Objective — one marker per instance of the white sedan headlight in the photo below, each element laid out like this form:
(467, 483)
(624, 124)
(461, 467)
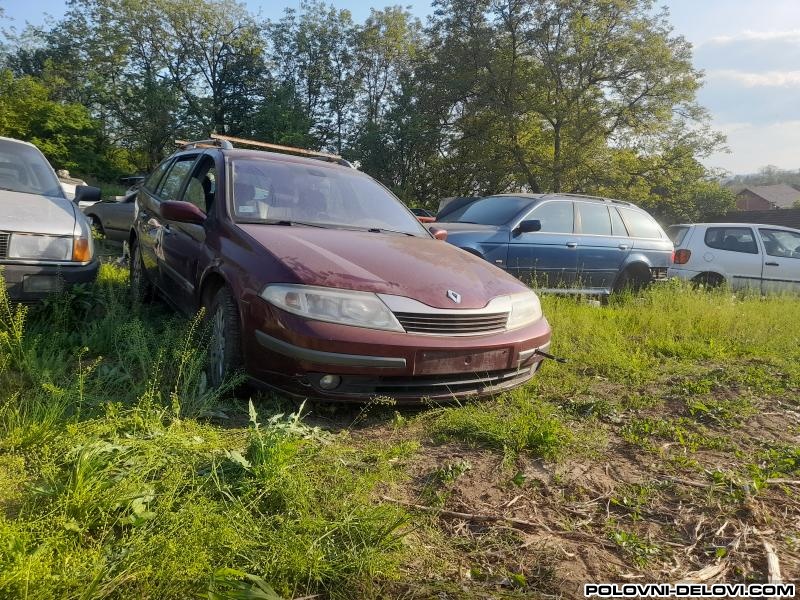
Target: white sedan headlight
(525, 309)
(40, 247)
(346, 307)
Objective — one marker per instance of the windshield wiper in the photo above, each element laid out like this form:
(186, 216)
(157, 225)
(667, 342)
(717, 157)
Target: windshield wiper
(379, 230)
(286, 222)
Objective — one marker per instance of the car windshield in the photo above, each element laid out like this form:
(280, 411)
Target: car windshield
(268, 191)
(24, 169)
(497, 210)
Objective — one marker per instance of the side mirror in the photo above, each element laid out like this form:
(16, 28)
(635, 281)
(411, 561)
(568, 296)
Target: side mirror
(182, 212)
(528, 226)
(438, 233)
(86, 193)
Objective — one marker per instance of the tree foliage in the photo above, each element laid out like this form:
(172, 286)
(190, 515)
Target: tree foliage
(490, 96)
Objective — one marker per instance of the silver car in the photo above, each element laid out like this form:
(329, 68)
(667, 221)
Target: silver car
(45, 241)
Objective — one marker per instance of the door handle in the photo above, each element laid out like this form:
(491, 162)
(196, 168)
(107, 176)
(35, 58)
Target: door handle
(772, 264)
(572, 244)
(623, 246)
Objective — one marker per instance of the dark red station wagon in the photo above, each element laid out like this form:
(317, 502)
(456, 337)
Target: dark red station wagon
(318, 282)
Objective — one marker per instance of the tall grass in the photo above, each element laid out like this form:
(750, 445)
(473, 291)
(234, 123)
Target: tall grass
(114, 485)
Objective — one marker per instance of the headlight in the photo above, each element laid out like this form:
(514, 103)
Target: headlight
(346, 307)
(40, 247)
(525, 309)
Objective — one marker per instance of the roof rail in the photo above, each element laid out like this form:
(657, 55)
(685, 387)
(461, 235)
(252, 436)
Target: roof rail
(209, 143)
(286, 149)
(589, 197)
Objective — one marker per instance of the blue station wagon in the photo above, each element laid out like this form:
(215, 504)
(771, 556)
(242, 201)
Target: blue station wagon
(564, 243)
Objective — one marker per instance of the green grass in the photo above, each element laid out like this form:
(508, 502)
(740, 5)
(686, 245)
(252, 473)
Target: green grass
(115, 485)
(123, 475)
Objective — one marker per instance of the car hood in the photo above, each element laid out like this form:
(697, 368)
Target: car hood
(469, 227)
(32, 213)
(420, 268)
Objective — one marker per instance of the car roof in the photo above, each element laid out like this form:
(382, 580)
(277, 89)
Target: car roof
(8, 139)
(735, 225)
(567, 196)
(266, 155)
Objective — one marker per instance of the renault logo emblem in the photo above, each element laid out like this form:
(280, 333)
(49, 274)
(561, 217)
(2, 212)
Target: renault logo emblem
(454, 296)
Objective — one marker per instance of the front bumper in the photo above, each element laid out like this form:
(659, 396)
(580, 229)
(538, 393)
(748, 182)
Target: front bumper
(292, 354)
(30, 283)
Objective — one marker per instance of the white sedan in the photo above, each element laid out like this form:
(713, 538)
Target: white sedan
(743, 255)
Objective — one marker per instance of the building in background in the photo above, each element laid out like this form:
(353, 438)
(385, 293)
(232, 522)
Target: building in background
(768, 197)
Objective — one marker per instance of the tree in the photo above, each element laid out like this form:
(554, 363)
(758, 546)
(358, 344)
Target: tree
(564, 85)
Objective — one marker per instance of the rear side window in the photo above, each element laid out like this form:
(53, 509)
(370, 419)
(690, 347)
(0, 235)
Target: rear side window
(732, 239)
(152, 182)
(617, 226)
(594, 218)
(641, 224)
(556, 217)
(677, 234)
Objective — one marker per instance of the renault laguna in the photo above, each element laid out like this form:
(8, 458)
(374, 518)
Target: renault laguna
(318, 282)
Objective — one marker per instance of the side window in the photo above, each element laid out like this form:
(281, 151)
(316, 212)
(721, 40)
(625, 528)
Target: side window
(151, 183)
(732, 239)
(594, 218)
(617, 226)
(778, 242)
(201, 189)
(556, 217)
(171, 184)
(640, 224)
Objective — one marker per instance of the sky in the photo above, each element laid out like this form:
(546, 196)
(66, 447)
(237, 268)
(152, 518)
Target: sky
(749, 51)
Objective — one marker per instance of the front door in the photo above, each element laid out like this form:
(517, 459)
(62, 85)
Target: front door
(547, 258)
(183, 243)
(781, 260)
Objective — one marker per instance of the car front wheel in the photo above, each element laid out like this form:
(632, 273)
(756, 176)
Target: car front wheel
(224, 351)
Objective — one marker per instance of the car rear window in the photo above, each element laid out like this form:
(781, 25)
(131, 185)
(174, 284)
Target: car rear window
(494, 210)
(677, 233)
(732, 239)
(640, 224)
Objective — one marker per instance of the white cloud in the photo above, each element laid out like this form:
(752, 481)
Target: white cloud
(790, 35)
(753, 146)
(764, 79)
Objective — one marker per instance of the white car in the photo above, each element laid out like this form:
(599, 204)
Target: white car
(45, 241)
(765, 258)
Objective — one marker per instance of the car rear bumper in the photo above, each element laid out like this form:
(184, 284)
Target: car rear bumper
(684, 274)
(296, 354)
(30, 283)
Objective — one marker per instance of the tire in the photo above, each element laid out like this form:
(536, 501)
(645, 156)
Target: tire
(630, 280)
(225, 344)
(141, 288)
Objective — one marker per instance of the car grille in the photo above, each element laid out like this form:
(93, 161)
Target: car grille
(4, 240)
(452, 323)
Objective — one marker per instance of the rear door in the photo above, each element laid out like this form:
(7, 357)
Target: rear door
(603, 244)
(781, 270)
(547, 258)
(734, 251)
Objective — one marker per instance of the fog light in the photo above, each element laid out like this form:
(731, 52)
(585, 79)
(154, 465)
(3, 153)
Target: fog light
(329, 382)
